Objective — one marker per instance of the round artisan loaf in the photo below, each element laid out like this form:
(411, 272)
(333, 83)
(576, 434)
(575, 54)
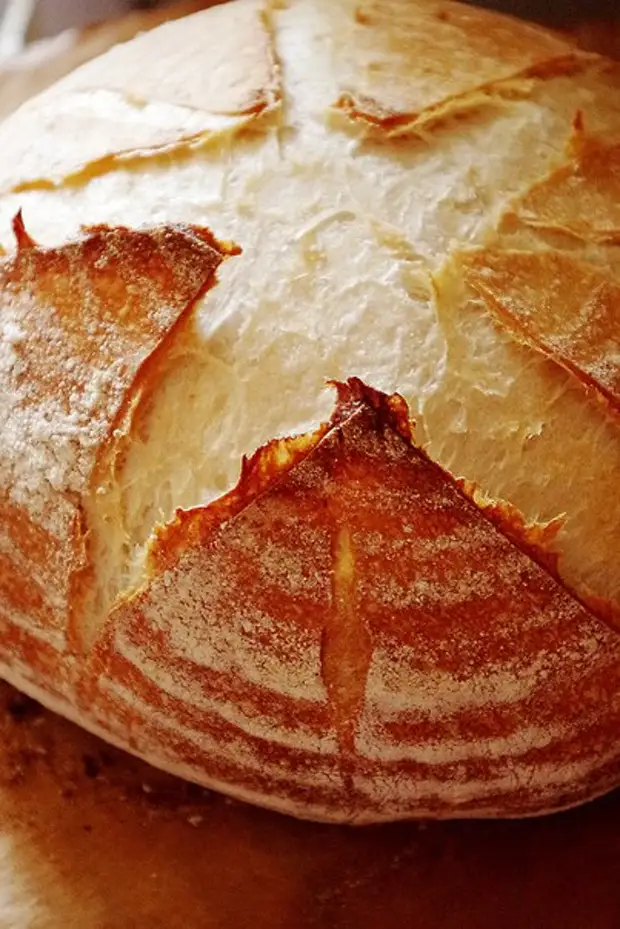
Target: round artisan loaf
(419, 202)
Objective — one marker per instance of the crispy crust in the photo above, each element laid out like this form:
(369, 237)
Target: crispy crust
(565, 308)
(539, 541)
(80, 323)
(580, 197)
(297, 640)
(379, 45)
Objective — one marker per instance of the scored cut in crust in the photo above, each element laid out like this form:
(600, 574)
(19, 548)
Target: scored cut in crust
(81, 323)
(297, 611)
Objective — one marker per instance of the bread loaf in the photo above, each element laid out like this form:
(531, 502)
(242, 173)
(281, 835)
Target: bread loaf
(310, 396)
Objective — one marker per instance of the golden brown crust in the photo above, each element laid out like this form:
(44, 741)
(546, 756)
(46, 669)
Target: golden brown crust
(538, 541)
(468, 56)
(582, 196)
(359, 562)
(566, 308)
(79, 323)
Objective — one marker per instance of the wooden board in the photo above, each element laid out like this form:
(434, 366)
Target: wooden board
(91, 839)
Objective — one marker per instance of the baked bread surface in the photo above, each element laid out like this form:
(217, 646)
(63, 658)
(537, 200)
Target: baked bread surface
(369, 622)
(44, 61)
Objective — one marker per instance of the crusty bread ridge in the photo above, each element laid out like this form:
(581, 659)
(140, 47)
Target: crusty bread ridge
(45, 61)
(373, 623)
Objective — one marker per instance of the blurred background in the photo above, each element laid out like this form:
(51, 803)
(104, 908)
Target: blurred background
(48, 17)
(44, 18)
(555, 12)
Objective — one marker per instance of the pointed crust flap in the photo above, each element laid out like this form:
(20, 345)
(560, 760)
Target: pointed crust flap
(397, 67)
(567, 309)
(580, 197)
(78, 325)
(333, 594)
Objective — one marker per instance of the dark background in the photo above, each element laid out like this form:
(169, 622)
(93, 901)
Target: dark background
(555, 11)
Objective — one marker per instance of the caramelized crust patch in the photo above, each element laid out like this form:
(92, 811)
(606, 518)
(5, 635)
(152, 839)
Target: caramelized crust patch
(357, 556)
(404, 63)
(581, 197)
(77, 326)
(78, 323)
(567, 309)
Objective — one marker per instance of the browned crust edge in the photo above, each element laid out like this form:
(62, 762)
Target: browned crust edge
(270, 464)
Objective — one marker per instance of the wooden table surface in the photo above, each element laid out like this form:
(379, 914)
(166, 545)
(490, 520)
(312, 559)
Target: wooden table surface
(92, 839)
